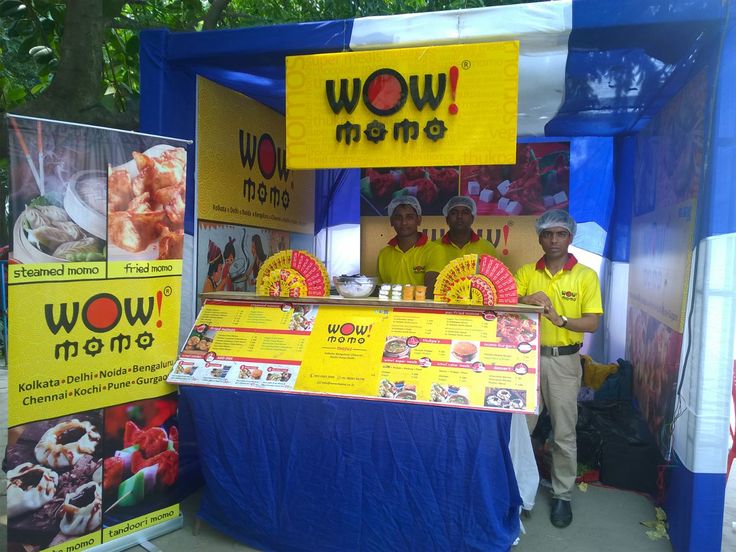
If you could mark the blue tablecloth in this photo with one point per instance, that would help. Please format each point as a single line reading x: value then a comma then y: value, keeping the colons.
x: 296, y: 472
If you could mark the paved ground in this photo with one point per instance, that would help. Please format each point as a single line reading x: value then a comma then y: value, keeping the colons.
x: 606, y: 520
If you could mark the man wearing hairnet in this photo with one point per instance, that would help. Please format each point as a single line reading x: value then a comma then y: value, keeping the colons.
x: 571, y: 296
x: 406, y: 257
x: 460, y: 239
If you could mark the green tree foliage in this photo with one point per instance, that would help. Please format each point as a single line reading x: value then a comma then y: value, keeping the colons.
x: 31, y: 34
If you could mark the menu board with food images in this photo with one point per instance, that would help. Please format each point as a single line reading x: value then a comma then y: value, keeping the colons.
x: 259, y: 346
x: 480, y: 359
x: 422, y: 353
x: 94, y: 298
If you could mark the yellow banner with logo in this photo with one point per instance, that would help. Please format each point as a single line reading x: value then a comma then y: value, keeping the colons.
x: 438, y: 105
x: 83, y: 348
x: 479, y: 359
x: 242, y: 172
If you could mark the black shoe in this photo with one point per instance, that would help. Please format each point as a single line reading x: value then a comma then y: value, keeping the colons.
x: 561, y: 515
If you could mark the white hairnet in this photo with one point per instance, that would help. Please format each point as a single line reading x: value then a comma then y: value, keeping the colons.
x: 460, y: 201
x: 404, y: 200
x: 556, y: 217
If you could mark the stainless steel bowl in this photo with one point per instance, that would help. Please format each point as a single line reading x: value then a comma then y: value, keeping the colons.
x: 355, y: 286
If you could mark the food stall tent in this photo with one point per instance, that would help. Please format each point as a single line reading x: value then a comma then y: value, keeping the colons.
x: 597, y: 73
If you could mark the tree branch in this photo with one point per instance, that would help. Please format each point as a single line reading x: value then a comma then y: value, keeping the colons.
x: 214, y: 14
x: 129, y: 24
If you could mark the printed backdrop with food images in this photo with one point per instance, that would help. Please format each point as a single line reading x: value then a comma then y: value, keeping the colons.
x: 94, y: 299
x: 508, y: 199
x: 667, y: 174
x: 462, y: 358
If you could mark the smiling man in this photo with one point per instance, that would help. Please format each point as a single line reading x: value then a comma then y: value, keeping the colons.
x: 571, y: 296
x: 408, y: 254
x: 460, y: 239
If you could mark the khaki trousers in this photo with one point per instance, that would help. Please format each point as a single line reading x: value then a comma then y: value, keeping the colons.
x: 559, y: 385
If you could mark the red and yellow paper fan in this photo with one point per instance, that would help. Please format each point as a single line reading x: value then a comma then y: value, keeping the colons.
x: 459, y: 293
x: 455, y: 271
x: 482, y: 291
x: 291, y: 273
x: 282, y: 259
x: 500, y: 277
x: 475, y: 280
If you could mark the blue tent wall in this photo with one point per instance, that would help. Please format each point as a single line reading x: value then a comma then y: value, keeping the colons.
x: 250, y: 61
x: 695, y: 499
x: 338, y: 198
x: 627, y: 58
x: 719, y: 199
x: 620, y: 234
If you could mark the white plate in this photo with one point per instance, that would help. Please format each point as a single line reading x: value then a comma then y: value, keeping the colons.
x: 150, y: 253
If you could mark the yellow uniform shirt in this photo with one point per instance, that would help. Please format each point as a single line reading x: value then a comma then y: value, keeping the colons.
x: 574, y: 291
x: 450, y: 251
x: 398, y: 267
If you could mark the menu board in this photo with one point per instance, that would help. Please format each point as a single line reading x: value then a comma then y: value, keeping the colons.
x: 460, y: 358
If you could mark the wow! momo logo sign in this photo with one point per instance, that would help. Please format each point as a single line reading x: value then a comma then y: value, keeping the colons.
x: 123, y: 321
x: 423, y: 106
x: 242, y: 172
x: 262, y: 152
x: 104, y: 322
x: 348, y: 333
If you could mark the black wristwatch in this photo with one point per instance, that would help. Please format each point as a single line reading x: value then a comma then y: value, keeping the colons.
x: 564, y: 321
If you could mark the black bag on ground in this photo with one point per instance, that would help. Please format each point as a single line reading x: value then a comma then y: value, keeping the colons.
x: 629, y: 455
x: 612, y: 437
x: 589, y: 438
x: 628, y: 465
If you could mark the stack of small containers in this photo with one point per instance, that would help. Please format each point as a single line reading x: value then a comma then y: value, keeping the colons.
x: 390, y: 292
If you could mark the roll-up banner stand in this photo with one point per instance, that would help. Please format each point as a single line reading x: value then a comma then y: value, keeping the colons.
x: 94, y: 299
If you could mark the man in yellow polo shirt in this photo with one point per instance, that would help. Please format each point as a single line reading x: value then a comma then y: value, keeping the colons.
x: 571, y: 296
x: 460, y: 239
x: 405, y: 258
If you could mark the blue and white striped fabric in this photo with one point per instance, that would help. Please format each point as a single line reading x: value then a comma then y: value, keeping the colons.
x: 592, y: 71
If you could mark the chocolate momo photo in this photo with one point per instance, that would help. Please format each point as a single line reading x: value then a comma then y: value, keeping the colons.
x: 54, y: 477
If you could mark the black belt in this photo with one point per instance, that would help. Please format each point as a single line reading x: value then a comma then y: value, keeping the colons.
x: 559, y: 351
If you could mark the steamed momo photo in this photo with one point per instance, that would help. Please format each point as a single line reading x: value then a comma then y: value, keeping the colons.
x: 46, y: 232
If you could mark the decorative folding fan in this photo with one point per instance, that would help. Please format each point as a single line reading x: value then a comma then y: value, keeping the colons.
x: 476, y: 280
x: 291, y: 273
